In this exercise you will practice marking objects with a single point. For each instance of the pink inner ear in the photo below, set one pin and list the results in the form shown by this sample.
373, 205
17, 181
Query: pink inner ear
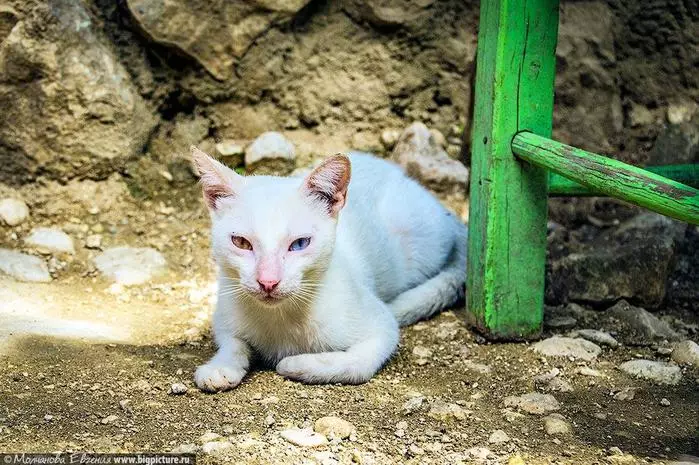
329, 182
214, 192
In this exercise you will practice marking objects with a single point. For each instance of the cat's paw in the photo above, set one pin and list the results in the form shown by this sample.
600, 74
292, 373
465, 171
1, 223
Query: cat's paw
214, 378
328, 367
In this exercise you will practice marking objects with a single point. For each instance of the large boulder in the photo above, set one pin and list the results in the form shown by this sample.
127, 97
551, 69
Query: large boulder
214, 33
632, 261
69, 106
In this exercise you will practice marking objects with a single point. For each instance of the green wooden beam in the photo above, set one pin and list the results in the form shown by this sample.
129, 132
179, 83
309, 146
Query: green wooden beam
560, 186
610, 177
508, 198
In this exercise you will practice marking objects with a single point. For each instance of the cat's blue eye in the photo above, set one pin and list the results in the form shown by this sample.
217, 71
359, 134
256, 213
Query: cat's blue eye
299, 244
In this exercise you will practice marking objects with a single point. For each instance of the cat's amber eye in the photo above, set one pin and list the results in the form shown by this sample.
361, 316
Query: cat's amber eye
299, 244
241, 242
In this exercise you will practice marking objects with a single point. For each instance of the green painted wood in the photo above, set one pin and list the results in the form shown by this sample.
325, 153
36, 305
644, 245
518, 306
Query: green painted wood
611, 177
560, 186
508, 198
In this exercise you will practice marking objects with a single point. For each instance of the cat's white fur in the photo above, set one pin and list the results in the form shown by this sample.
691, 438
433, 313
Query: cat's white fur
383, 253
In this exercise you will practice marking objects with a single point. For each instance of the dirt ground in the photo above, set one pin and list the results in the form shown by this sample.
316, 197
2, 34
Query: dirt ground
85, 366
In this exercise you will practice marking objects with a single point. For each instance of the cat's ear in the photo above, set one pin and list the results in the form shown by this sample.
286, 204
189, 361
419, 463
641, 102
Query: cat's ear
217, 180
328, 183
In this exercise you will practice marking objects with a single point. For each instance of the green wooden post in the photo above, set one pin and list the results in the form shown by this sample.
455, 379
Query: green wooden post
611, 177
686, 174
507, 219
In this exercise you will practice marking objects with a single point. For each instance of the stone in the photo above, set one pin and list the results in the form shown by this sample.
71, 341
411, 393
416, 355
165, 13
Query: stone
677, 143
637, 326
498, 437
231, 151
558, 346
170, 147
631, 261
270, 153
413, 404
215, 447
657, 372
24, 267
178, 389
626, 394
477, 367
555, 425
664, 402
560, 322
679, 112
93, 117
209, 436
479, 454
333, 426
130, 265
187, 448
423, 159
640, 115
686, 353
596, 336
13, 211
587, 371
388, 13
50, 240
303, 437
622, 459
215, 35
93, 241
443, 411
109, 419
534, 403
389, 138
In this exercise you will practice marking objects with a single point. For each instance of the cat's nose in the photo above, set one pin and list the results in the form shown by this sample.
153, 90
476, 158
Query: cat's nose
267, 285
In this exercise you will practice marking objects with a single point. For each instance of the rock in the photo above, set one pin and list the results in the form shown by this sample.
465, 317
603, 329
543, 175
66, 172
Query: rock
178, 389
477, 367
637, 326
557, 346
109, 419
209, 436
640, 115
130, 265
561, 322
215, 447
664, 402
389, 138
420, 155
658, 372
679, 112
387, 13
334, 426
50, 240
643, 247
70, 107
270, 420
170, 147
413, 404
560, 385
534, 403
593, 335
442, 411
270, 153
626, 394
185, 449
304, 437
622, 459
677, 143
93, 241
555, 424
13, 211
215, 36
23, 267
587, 371
478, 454
686, 353
498, 437
232, 152
422, 354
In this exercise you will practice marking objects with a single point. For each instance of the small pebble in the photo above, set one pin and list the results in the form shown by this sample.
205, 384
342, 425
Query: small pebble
498, 437
178, 389
303, 437
664, 402
334, 426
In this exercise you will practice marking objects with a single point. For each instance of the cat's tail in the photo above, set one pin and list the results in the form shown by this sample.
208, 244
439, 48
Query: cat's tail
437, 293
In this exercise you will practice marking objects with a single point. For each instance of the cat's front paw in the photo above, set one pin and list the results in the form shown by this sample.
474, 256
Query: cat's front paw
214, 378
328, 367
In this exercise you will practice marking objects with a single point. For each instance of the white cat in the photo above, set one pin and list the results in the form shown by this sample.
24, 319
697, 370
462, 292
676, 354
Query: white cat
317, 274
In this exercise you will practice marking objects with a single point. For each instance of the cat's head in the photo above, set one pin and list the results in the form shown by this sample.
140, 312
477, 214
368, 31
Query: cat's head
273, 236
